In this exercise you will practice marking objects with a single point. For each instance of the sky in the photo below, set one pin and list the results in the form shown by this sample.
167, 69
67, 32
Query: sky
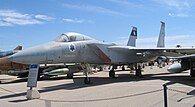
33, 22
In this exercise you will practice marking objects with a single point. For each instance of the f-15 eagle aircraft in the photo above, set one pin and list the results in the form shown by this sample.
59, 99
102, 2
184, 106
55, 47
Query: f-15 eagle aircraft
74, 47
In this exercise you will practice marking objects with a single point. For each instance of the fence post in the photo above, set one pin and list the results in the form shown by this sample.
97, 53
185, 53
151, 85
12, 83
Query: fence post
165, 95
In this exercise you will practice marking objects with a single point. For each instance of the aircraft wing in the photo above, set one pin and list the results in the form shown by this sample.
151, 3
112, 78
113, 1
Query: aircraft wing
127, 48
172, 52
131, 48
178, 50
185, 56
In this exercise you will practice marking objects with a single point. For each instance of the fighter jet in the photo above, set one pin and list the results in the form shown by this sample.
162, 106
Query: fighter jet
78, 48
10, 52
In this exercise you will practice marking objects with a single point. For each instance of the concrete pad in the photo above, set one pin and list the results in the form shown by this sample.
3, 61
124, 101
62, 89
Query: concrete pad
124, 91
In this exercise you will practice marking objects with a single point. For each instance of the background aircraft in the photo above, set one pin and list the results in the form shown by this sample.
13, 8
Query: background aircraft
10, 52
187, 62
8, 67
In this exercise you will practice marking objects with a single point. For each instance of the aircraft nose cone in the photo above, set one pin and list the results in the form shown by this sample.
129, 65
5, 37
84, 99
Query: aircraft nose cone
16, 58
35, 55
25, 57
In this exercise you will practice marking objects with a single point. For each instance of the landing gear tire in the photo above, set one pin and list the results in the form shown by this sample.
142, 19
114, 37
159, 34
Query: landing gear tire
101, 68
112, 73
40, 71
138, 71
192, 73
38, 77
87, 80
123, 68
70, 76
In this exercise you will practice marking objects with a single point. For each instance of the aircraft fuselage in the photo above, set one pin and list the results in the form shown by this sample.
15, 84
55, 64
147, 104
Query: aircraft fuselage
77, 52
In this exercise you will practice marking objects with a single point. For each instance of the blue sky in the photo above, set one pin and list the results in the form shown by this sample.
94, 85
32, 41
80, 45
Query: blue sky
32, 22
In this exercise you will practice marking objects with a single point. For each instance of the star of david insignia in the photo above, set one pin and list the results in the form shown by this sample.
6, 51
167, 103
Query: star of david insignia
72, 48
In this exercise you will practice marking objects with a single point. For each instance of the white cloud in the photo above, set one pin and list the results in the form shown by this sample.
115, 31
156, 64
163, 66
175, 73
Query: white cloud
74, 20
17, 21
12, 18
91, 8
177, 37
127, 3
170, 41
177, 4
177, 8
13, 14
178, 15
43, 17
77, 20
5, 23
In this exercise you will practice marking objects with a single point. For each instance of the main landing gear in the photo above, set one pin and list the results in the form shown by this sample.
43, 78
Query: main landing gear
123, 68
86, 70
138, 71
192, 69
192, 74
70, 76
112, 71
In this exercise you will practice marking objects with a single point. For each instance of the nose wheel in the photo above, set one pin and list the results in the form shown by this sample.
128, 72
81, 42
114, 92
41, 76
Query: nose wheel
123, 68
70, 76
192, 72
112, 73
87, 80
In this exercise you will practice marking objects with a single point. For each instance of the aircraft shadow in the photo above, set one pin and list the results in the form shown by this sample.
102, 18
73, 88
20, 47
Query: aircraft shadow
19, 80
79, 82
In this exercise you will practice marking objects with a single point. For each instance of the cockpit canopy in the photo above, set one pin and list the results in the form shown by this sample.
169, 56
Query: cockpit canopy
71, 37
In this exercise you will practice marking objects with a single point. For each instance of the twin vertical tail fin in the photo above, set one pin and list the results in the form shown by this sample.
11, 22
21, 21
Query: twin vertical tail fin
133, 37
161, 39
18, 47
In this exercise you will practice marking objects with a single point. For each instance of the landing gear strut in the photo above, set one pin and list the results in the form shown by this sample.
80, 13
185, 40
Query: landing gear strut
87, 79
138, 71
86, 70
123, 68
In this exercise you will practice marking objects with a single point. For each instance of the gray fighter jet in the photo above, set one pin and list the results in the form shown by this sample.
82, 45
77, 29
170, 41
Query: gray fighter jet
78, 48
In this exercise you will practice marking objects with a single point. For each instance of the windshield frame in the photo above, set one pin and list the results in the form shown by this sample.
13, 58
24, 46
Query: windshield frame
71, 38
